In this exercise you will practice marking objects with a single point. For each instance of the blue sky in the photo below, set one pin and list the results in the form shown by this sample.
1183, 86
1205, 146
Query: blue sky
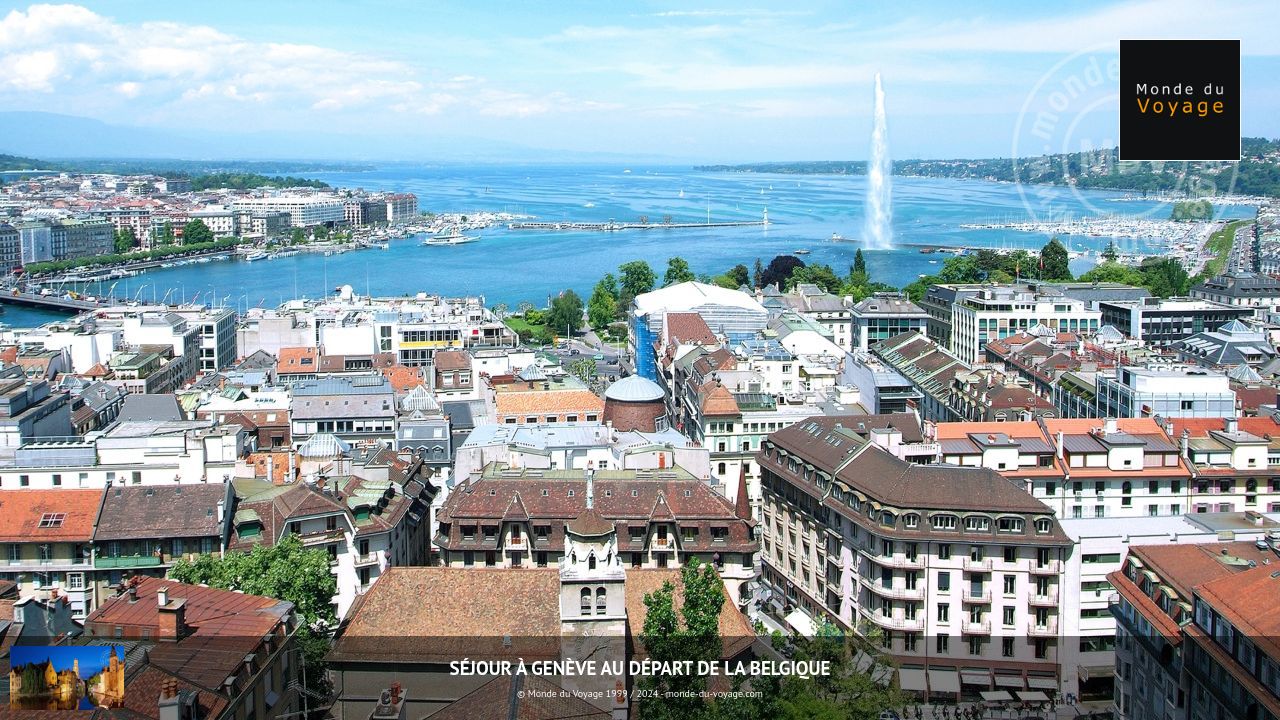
93, 658
688, 80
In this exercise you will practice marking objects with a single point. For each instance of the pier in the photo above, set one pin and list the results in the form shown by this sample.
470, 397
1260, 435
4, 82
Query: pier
612, 226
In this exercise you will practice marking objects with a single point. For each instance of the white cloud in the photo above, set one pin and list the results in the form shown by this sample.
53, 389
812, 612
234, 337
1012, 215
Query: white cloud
129, 89
29, 71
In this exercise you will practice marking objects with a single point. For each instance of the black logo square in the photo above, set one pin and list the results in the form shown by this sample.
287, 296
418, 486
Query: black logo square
1179, 99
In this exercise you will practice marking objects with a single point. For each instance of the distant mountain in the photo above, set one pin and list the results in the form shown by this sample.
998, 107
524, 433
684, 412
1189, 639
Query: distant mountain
54, 136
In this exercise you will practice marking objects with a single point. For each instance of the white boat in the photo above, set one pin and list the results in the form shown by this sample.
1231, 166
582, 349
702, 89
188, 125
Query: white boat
452, 238
255, 255
589, 205
836, 237
802, 252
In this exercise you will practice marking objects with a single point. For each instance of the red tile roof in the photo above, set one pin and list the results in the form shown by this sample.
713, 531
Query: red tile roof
402, 378
63, 515
298, 360
1200, 427
684, 328
452, 360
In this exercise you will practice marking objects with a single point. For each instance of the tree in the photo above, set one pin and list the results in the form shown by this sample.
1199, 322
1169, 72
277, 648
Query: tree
739, 275
584, 368
297, 236
602, 308
1113, 272
565, 313
501, 310
321, 232
125, 241
757, 274
1110, 254
1054, 261
637, 278
523, 308
821, 275
859, 262
779, 271
286, 571
166, 235
196, 232
668, 640
1165, 277
857, 685
677, 272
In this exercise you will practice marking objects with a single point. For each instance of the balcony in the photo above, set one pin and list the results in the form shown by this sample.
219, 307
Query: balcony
324, 537
368, 559
663, 544
982, 627
1048, 628
896, 593
128, 561
893, 561
1052, 567
976, 596
517, 543
972, 565
50, 564
897, 623
1043, 600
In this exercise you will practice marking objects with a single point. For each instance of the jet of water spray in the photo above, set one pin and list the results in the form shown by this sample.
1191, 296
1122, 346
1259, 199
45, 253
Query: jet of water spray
878, 231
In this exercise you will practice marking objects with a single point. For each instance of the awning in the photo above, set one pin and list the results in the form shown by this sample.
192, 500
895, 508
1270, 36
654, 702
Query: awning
996, 696
1014, 681
801, 623
1095, 671
944, 681
1044, 683
976, 677
1033, 696
911, 679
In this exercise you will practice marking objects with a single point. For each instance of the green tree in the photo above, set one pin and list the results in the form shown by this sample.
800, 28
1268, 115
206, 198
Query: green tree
677, 272
821, 275
859, 262
125, 241
286, 571
196, 232
739, 275
501, 310
779, 271
321, 232
602, 308
584, 368
1165, 277
1054, 261
637, 278
757, 274
166, 235
297, 236
857, 687
1111, 254
565, 313
696, 639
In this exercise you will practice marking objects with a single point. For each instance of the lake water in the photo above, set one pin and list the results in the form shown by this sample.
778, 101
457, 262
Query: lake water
515, 265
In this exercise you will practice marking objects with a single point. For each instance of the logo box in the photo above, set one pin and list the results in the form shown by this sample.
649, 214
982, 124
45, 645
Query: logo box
1180, 100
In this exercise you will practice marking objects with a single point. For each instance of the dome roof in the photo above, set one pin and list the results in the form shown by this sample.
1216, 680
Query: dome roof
323, 445
590, 524
634, 389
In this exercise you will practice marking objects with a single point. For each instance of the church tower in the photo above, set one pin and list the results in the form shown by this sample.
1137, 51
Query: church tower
593, 605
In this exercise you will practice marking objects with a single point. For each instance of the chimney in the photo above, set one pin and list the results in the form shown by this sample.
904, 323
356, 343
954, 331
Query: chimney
162, 595
1059, 445
591, 485
1185, 443
173, 620
133, 595
1110, 426
1232, 424
390, 705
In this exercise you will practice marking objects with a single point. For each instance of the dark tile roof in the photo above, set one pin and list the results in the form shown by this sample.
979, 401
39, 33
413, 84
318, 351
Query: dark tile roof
160, 511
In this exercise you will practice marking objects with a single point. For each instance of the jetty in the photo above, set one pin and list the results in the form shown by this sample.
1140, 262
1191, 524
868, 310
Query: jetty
53, 302
614, 226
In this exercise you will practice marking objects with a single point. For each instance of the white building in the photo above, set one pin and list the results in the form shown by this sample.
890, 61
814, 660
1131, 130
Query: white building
1164, 390
304, 210
997, 312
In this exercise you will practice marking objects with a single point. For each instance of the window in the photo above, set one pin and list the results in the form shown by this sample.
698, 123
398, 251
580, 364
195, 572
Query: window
24, 481
1010, 584
1006, 646
1011, 525
1008, 617
57, 480
1010, 554
490, 558
585, 602
944, 613
941, 644
51, 520
944, 551
1044, 525
601, 603
944, 581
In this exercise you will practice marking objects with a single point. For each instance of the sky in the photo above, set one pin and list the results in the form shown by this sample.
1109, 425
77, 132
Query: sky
93, 658
689, 80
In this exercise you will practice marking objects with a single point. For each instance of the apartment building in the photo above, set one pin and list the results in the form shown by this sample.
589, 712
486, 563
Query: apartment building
352, 408
207, 653
30, 410
304, 210
1163, 390
1255, 291
401, 207
1163, 321
882, 316
517, 517
48, 540
815, 304
996, 312
10, 248
366, 523
1195, 629
1235, 463
724, 312
958, 568
930, 368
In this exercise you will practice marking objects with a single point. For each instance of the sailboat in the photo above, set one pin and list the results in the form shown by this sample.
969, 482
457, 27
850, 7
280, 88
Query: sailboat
681, 192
